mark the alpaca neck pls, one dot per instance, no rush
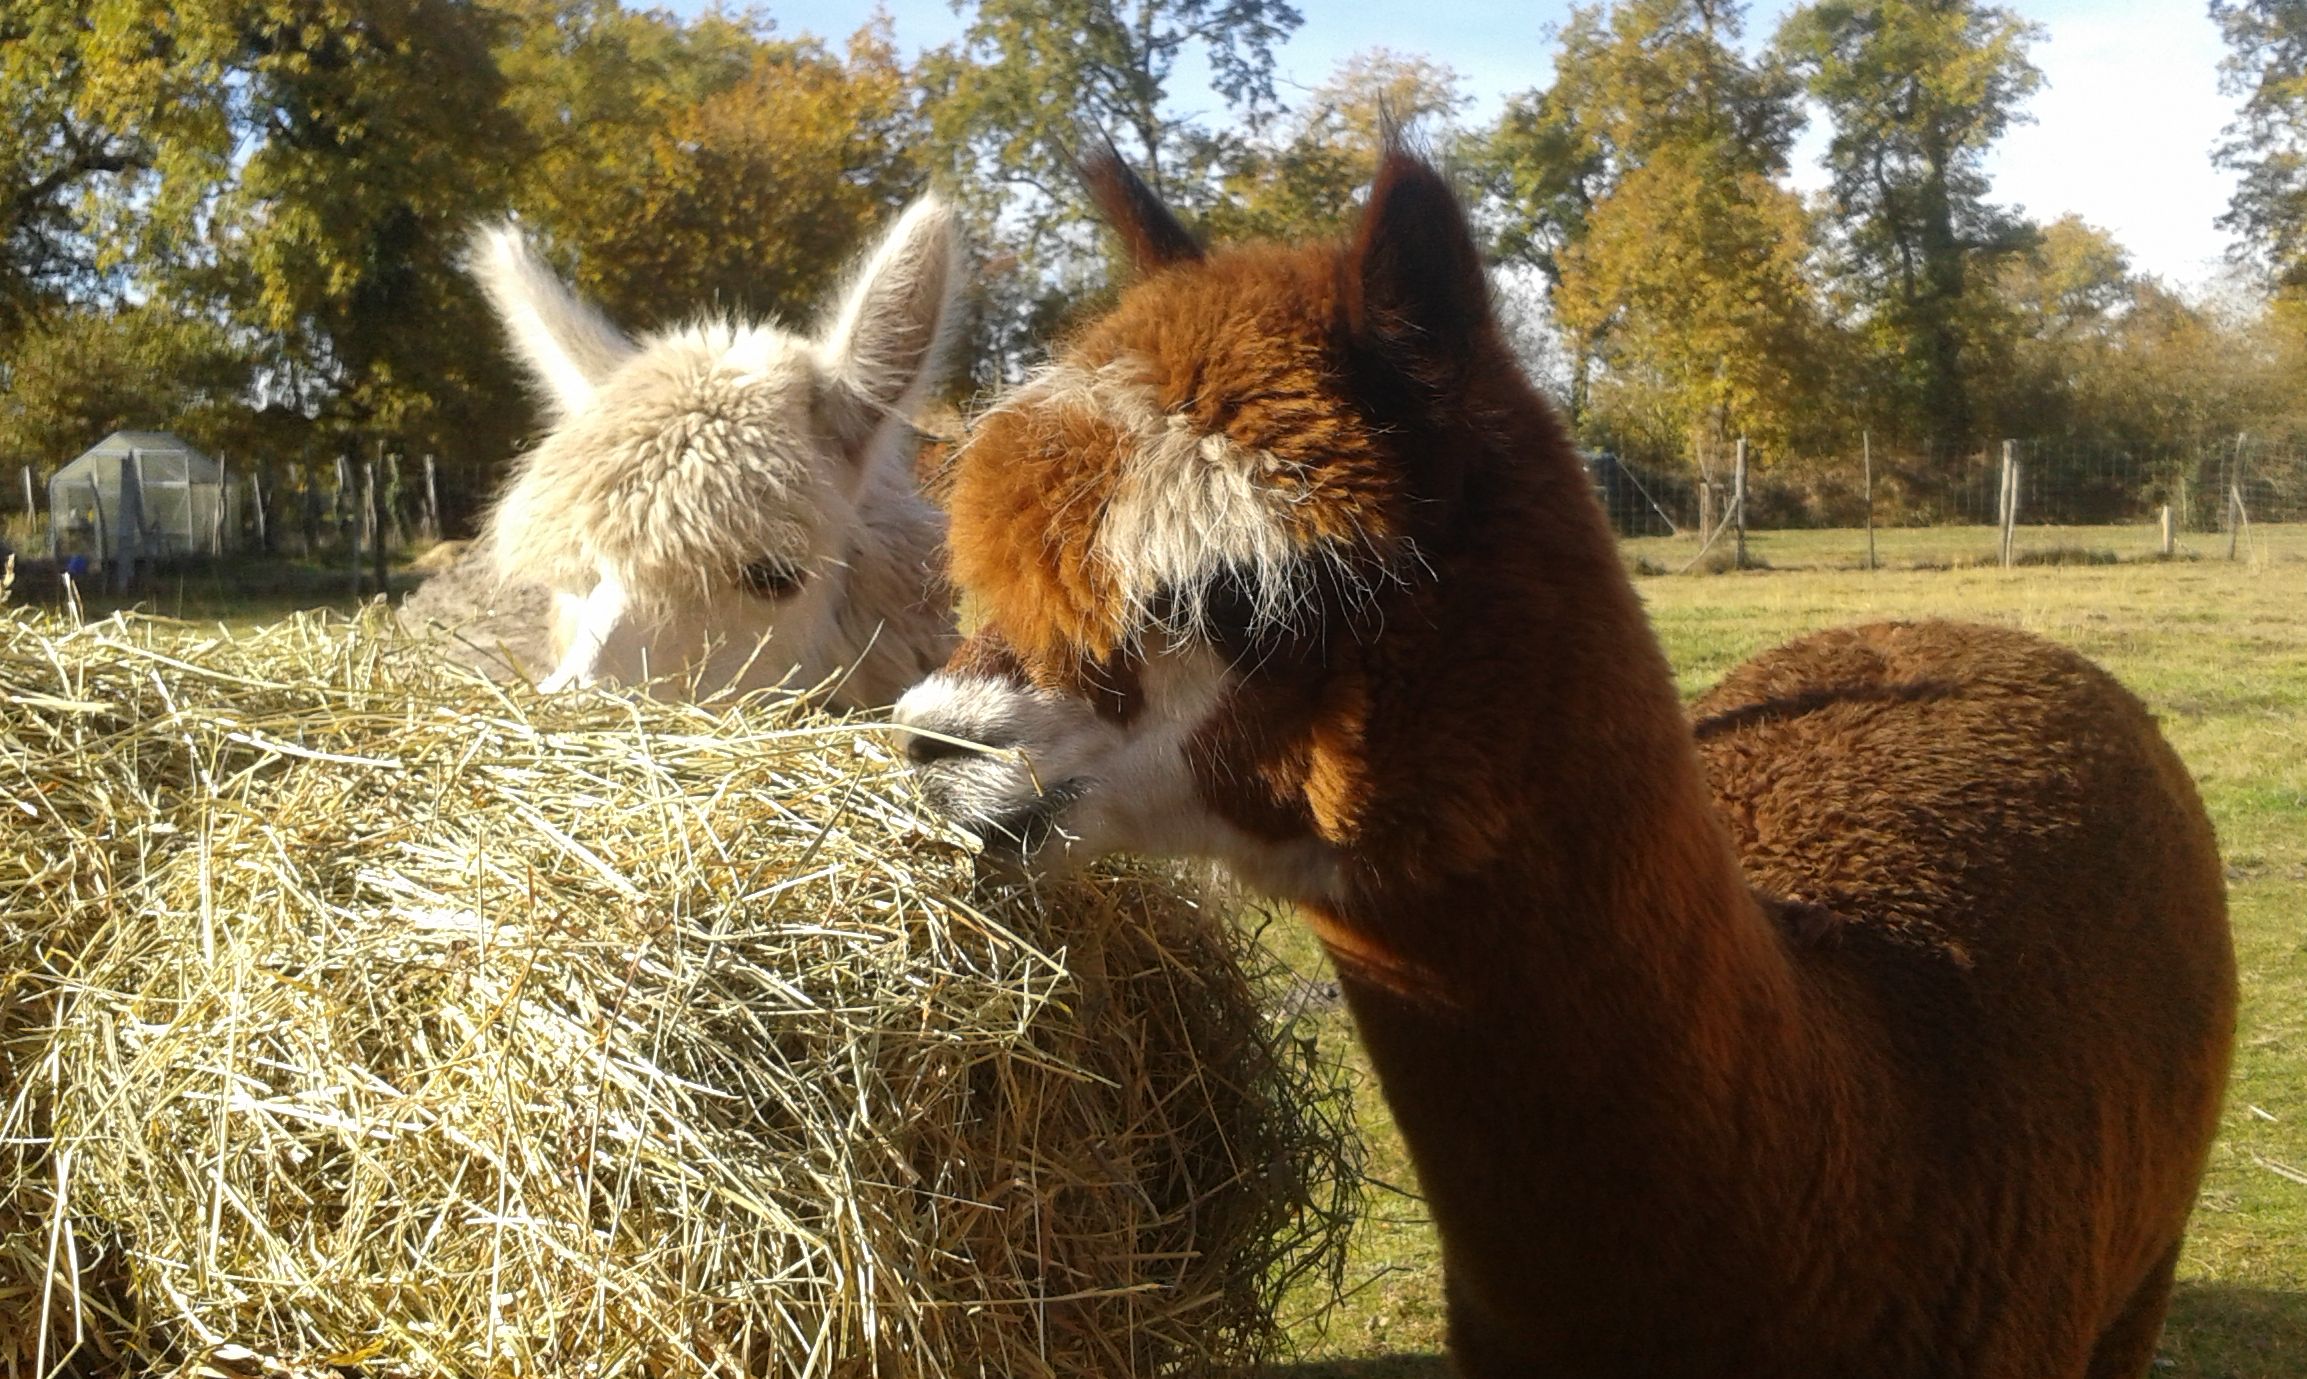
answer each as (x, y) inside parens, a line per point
(1580, 1005)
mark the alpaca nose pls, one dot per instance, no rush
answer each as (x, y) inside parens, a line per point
(921, 749)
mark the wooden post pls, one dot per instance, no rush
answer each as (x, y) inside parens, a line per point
(103, 542)
(131, 551)
(432, 503)
(379, 528)
(2007, 508)
(2238, 518)
(1738, 501)
(348, 532)
(1866, 467)
(1705, 509)
(392, 493)
(31, 507)
(256, 503)
(223, 501)
(2170, 534)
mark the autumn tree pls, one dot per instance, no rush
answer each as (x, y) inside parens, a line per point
(1030, 81)
(81, 373)
(56, 148)
(1299, 174)
(1644, 183)
(1917, 92)
(2266, 67)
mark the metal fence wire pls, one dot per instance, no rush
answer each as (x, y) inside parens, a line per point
(2038, 501)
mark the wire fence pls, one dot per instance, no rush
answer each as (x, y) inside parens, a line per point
(359, 512)
(2019, 502)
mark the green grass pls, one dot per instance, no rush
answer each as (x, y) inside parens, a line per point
(239, 594)
(1898, 548)
(2219, 650)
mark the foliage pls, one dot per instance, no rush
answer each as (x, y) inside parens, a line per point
(1299, 176)
(1644, 183)
(55, 148)
(687, 168)
(1030, 82)
(79, 375)
(1918, 91)
(2266, 65)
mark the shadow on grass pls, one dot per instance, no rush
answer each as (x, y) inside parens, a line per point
(2223, 1331)
(2216, 1331)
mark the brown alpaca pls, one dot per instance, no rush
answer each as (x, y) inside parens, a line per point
(1875, 1028)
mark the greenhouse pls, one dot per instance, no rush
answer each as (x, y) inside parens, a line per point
(143, 495)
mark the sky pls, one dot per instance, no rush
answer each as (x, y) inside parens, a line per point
(2121, 132)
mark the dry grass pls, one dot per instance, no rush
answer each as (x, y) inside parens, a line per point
(357, 1015)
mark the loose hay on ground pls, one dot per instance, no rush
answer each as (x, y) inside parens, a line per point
(361, 1014)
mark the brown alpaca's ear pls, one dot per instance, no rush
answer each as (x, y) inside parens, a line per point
(1149, 232)
(1415, 279)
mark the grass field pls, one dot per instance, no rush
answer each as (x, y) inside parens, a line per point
(1906, 548)
(2219, 651)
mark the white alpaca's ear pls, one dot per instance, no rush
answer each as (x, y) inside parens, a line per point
(566, 345)
(883, 352)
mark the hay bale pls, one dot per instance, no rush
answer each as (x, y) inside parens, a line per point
(360, 1015)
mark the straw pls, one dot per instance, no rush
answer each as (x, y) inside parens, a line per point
(360, 1015)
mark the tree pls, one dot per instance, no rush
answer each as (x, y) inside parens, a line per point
(680, 167)
(1644, 185)
(1918, 91)
(2266, 65)
(1299, 175)
(1031, 79)
(753, 197)
(81, 373)
(62, 135)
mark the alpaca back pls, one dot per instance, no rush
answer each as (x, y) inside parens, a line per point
(1990, 858)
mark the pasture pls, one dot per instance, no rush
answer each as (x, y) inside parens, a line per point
(2219, 651)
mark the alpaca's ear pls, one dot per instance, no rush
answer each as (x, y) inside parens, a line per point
(566, 345)
(1415, 279)
(885, 348)
(1149, 232)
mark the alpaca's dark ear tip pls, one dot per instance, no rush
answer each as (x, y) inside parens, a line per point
(1415, 259)
(1150, 233)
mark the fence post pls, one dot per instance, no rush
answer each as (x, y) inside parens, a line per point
(392, 494)
(31, 508)
(256, 501)
(2170, 534)
(2007, 515)
(432, 528)
(2238, 518)
(103, 539)
(1738, 501)
(379, 523)
(131, 521)
(1866, 466)
(348, 532)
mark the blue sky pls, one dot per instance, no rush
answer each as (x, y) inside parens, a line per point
(2121, 136)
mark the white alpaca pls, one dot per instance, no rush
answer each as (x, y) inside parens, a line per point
(730, 505)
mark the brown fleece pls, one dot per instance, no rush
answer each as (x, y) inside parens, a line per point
(1876, 1027)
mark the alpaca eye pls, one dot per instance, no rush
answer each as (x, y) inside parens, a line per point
(773, 579)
